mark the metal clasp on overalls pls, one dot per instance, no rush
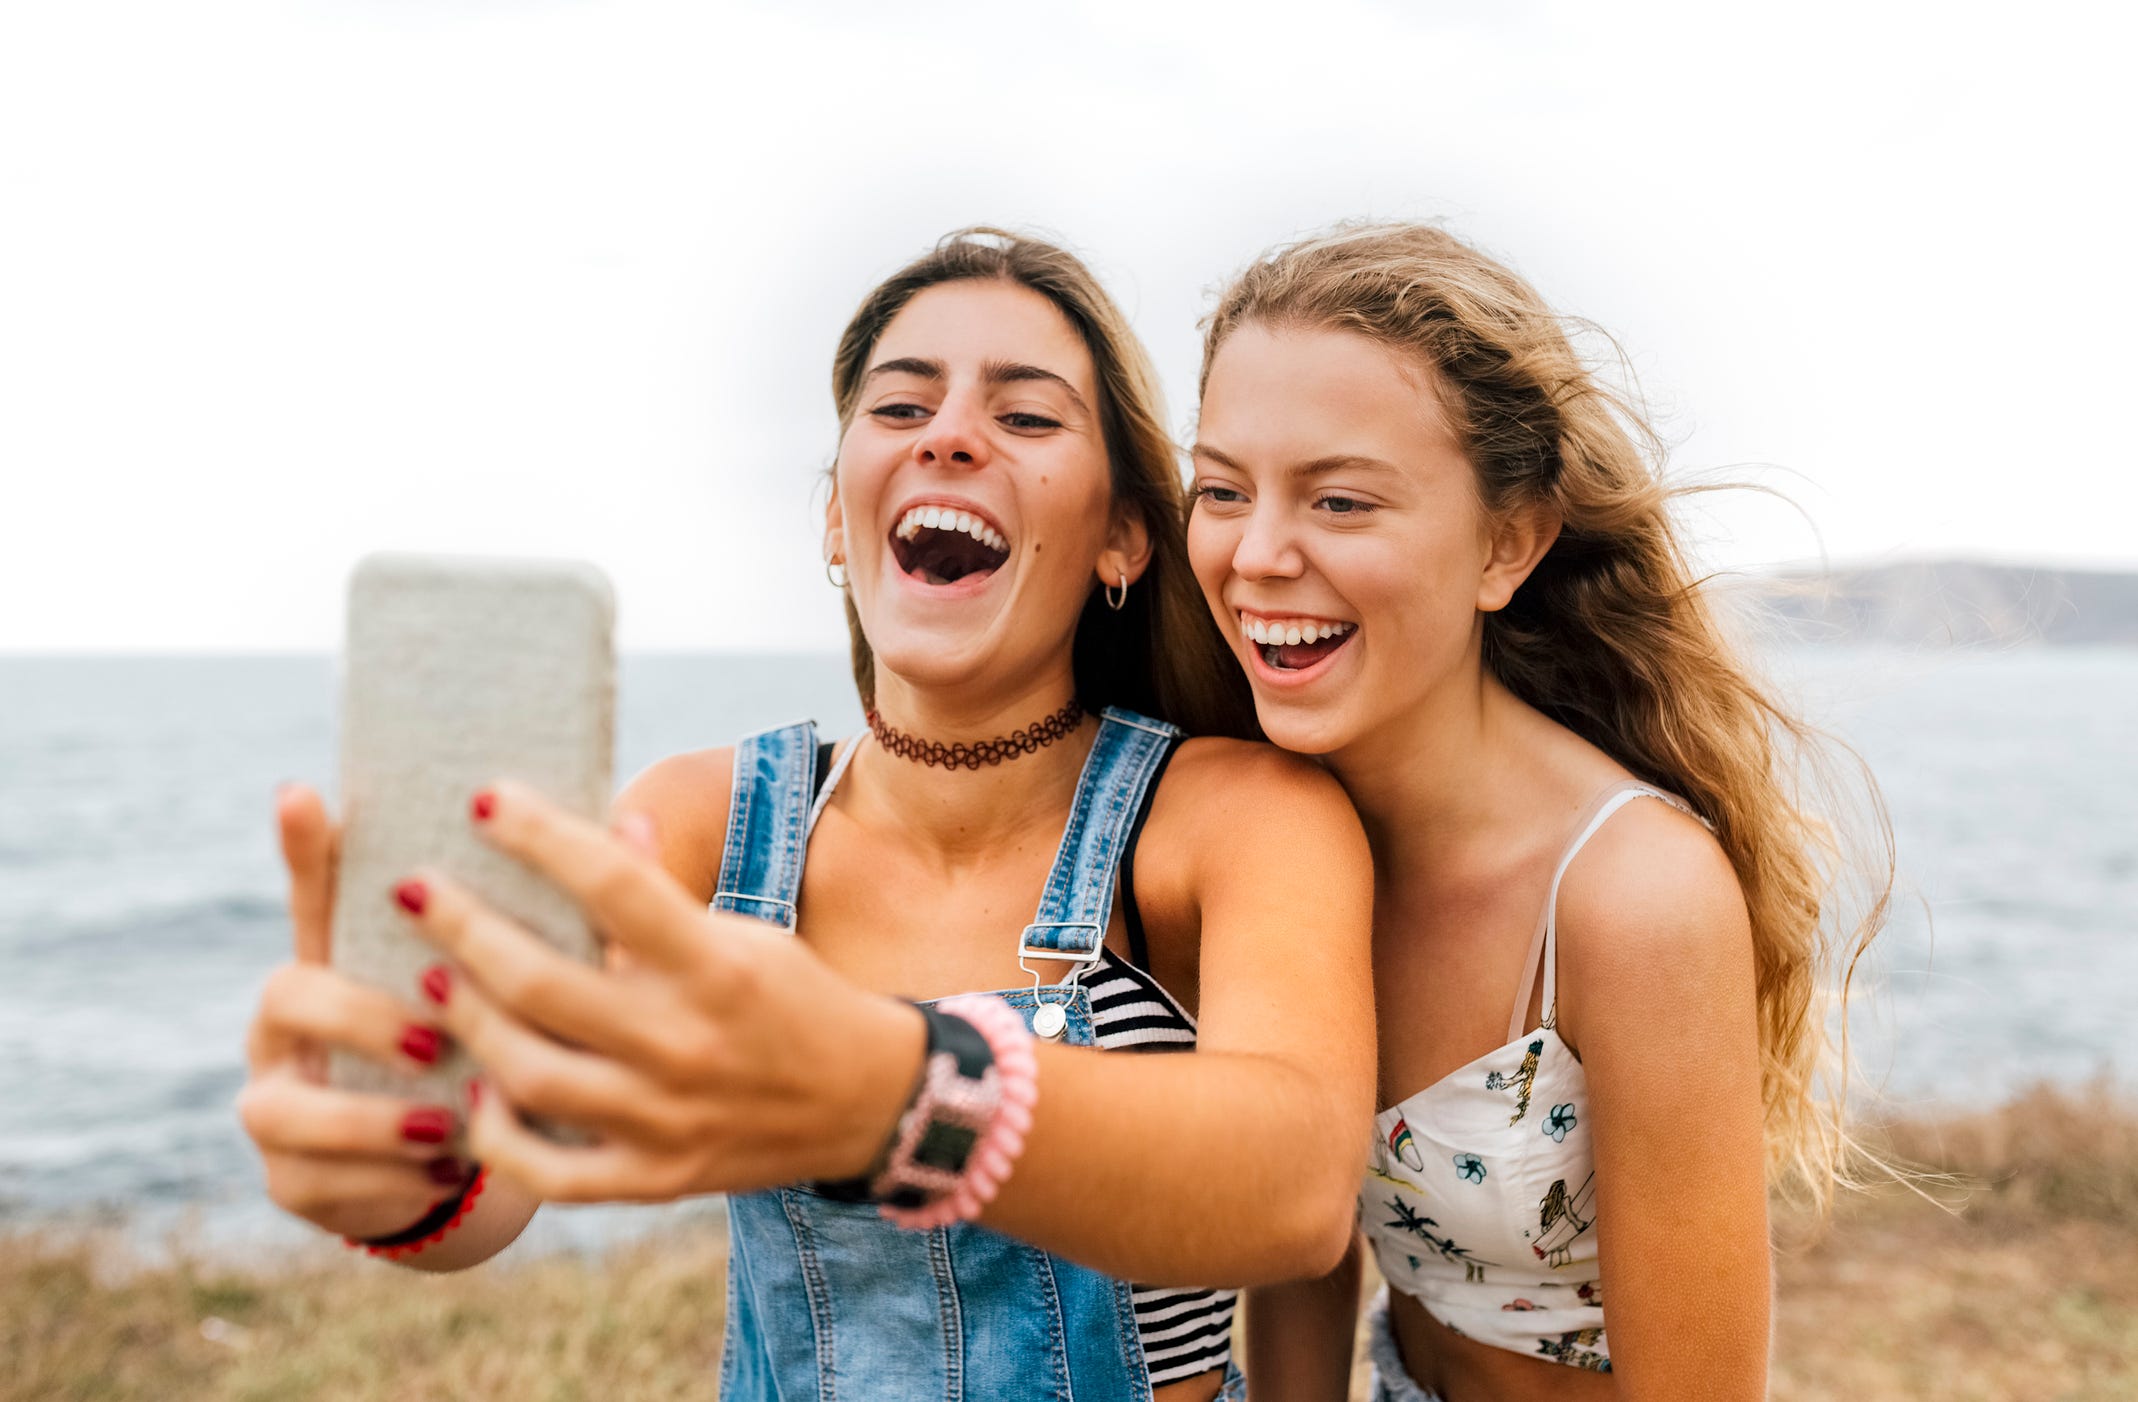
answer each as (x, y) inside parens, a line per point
(1050, 1020)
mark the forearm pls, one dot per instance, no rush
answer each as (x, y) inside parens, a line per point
(1301, 1335)
(1201, 1168)
(492, 1224)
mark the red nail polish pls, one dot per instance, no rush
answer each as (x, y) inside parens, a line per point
(437, 984)
(427, 1125)
(483, 805)
(446, 1173)
(422, 1044)
(411, 897)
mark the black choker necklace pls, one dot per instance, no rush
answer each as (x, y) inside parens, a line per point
(995, 751)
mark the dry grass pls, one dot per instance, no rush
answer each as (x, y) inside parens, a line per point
(2025, 1287)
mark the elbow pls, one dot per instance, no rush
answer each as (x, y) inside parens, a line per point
(1315, 1236)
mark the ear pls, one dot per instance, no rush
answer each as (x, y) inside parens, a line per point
(1128, 550)
(834, 527)
(1518, 542)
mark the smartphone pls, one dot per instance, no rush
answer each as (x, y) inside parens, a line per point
(458, 672)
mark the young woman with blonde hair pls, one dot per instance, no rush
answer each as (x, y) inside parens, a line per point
(1605, 907)
(1023, 816)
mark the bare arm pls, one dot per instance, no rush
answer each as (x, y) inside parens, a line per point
(1301, 1336)
(1236, 1164)
(1657, 966)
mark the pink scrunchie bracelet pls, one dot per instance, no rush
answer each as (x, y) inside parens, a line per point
(1016, 1074)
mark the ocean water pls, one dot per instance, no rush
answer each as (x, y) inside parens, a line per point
(141, 896)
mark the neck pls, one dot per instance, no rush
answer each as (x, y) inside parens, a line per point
(960, 812)
(1447, 772)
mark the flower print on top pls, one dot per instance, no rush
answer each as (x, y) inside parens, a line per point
(1522, 1082)
(1541, 1254)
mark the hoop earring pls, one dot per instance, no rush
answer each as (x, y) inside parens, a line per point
(838, 581)
(1118, 602)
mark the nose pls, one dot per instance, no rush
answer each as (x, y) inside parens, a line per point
(955, 436)
(1267, 548)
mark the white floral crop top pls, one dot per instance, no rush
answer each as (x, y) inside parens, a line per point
(1479, 1200)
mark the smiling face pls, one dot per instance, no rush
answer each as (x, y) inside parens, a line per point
(1337, 533)
(972, 502)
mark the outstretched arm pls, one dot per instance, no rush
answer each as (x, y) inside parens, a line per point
(726, 1057)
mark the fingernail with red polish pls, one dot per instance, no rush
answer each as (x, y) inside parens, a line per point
(411, 896)
(483, 805)
(437, 984)
(422, 1044)
(427, 1125)
(445, 1172)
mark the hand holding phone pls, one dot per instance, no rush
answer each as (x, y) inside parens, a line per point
(459, 672)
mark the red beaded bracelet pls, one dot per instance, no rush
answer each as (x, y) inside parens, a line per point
(442, 1218)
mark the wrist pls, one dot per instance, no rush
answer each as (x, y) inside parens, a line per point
(892, 1041)
(446, 1214)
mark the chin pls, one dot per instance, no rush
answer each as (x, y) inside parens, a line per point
(1303, 730)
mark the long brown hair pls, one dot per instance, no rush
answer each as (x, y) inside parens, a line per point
(1161, 653)
(1613, 636)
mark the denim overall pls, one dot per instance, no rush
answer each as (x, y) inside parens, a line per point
(826, 1300)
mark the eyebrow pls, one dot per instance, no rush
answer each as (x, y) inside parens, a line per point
(993, 372)
(1312, 467)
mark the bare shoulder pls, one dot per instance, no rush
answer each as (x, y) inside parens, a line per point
(1652, 896)
(686, 796)
(1233, 798)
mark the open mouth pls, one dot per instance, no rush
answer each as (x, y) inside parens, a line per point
(1296, 644)
(942, 545)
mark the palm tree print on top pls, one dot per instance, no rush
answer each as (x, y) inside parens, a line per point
(1473, 1269)
(1522, 1082)
(1561, 1217)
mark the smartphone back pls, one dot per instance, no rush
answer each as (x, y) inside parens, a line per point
(460, 671)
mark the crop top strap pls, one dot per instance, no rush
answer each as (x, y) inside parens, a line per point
(1544, 946)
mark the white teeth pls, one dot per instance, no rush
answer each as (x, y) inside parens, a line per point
(1290, 632)
(936, 518)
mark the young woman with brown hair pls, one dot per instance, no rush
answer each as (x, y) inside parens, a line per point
(1005, 522)
(1605, 908)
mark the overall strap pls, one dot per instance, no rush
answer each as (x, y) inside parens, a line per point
(1543, 948)
(768, 823)
(1079, 896)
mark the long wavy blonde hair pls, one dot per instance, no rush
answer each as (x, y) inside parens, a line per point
(1614, 637)
(1161, 653)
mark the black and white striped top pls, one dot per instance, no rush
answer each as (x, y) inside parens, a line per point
(1184, 1332)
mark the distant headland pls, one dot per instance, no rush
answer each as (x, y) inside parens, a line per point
(1929, 603)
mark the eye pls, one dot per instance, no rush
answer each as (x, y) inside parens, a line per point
(1030, 421)
(1344, 506)
(1216, 495)
(899, 413)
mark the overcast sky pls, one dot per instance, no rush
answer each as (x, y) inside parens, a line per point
(285, 282)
